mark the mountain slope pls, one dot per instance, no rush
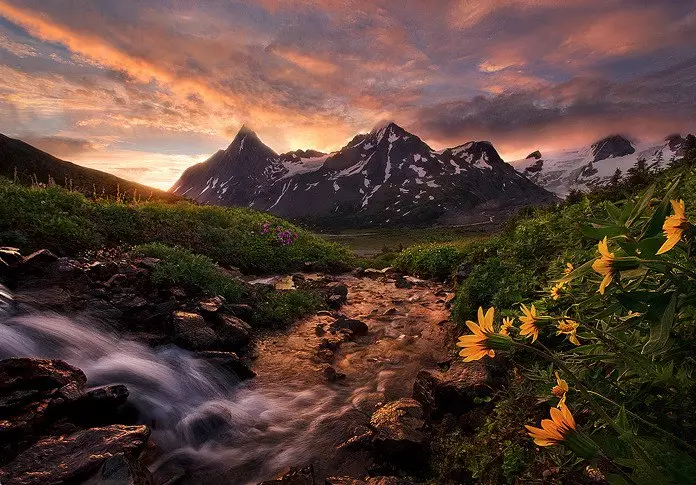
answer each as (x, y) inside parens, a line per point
(588, 167)
(387, 176)
(27, 164)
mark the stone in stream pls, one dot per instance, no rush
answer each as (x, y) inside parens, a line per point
(398, 433)
(294, 476)
(402, 283)
(232, 332)
(74, 457)
(454, 391)
(356, 326)
(192, 332)
(228, 361)
(122, 469)
(331, 374)
(211, 306)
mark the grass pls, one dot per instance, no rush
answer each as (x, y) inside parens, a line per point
(376, 243)
(68, 223)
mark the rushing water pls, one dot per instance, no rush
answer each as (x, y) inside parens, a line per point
(209, 428)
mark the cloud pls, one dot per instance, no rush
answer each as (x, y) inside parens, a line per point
(140, 75)
(60, 146)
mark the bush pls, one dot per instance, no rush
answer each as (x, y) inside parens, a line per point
(618, 331)
(434, 260)
(69, 223)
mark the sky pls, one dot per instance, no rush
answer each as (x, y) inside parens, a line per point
(144, 89)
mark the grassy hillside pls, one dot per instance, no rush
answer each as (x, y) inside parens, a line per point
(28, 165)
(68, 222)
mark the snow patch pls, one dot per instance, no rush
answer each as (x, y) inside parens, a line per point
(419, 170)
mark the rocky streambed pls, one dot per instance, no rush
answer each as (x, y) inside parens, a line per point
(107, 379)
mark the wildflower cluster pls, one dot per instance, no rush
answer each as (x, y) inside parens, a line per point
(619, 339)
(284, 236)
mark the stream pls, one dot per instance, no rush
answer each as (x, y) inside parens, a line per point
(210, 428)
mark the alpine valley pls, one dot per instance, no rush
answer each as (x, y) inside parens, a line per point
(386, 177)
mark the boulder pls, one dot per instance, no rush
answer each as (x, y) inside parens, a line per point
(228, 361)
(455, 391)
(295, 476)
(232, 332)
(192, 332)
(243, 311)
(331, 374)
(38, 260)
(99, 406)
(122, 469)
(399, 437)
(74, 457)
(211, 306)
(464, 270)
(356, 326)
(402, 282)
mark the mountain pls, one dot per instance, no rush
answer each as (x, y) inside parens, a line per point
(587, 167)
(387, 176)
(28, 165)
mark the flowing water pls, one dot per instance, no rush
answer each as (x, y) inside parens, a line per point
(209, 428)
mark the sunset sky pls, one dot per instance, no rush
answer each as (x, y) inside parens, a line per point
(144, 89)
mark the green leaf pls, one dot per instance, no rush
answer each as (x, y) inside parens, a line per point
(599, 233)
(660, 330)
(614, 212)
(646, 248)
(613, 479)
(638, 301)
(626, 212)
(641, 205)
(654, 225)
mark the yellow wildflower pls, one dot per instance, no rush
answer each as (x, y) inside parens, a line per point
(529, 322)
(555, 430)
(561, 387)
(604, 265)
(484, 339)
(674, 226)
(556, 290)
(507, 325)
(570, 328)
(568, 269)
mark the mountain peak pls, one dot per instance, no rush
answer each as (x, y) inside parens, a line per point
(612, 146)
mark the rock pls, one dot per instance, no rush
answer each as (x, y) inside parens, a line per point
(331, 342)
(320, 329)
(211, 306)
(243, 311)
(391, 311)
(324, 355)
(339, 289)
(52, 297)
(191, 331)
(98, 406)
(71, 458)
(463, 272)
(335, 301)
(122, 469)
(611, 146)
(356, 326)
(295, 476)
(129, 302)
(102, 271)
(402, 282)
(38, 260)
(331, 374)
(399, 436)
(177, 292)
(115, 280)
(232, 332)
(228, 361)
(370, 481)
(147, 262)
(454, 391)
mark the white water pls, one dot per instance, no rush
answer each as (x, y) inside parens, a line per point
(209, 428)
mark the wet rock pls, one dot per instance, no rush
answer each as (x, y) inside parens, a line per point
(324, 355)
(228, 361)
(295, 476)
(116, 280)
(99, 406)
(454, 391)
(391, 311)
(211, 306)
(335, 301)
(357, 327)
(102, 270)
(177, 292)
(38, 260)
(129, 302)
(370, 481)
(192, 332)
(320, 329)
(52, 297)
(74, 457)
(337, 294)
(122, 469)
(232, 332)
(331, 342)
(243, 311)
(401, 282)
(399, 437)
(331, 374)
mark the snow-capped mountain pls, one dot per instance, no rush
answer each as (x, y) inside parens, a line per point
(387, 176)
(588, 167)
